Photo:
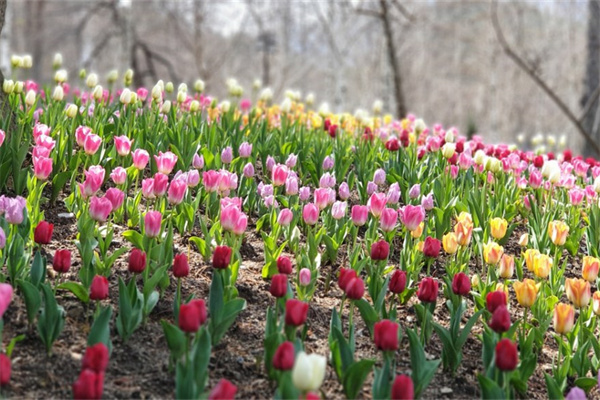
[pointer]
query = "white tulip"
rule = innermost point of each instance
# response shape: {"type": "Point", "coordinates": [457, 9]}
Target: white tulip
{"type": "Point", "coordinates": [309, 371]}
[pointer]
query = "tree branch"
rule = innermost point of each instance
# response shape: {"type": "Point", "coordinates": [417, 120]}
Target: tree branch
{"type": "Point", "coordinates": [588, 106]}
{"type": "Point", "coordinates": [410, 17]}
{"type": "Point", "coordinates": [529, 70]}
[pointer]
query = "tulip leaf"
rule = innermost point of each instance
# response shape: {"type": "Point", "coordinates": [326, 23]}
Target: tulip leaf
{"type": "Point", "coordinates": [216, 296]}
{"type": "Point", "coordinates": [175, 339]}
{"type": "Point", "coordinates": [381, 382]}
{"type": "Point", "coordinates": [219, 326]}
{"type": "Point", "coordinates": [201, 356]}
{"type": "Point", "coordinates": [135, 238]}
{"type": "Point", "coordinates": [355, 376]}
{"type": "Point", "coordinates": [100, 330]}
{"type": "Point", "coordinates": [489, 389]}
{"type": "Point", "coordinates": [77, 289]}
{"type": "Point", "coordinates": [345, 351]}
{"type": "Point", "coordinates": [51, 320]}
{"type": "Point", "coordinates": [554, 391]}
{"type": "Point", "coordinates": [38, 269]}
{"type": "Point", "coordinates": [586, 383]}
{"type": "Point", "coordinates": [423, 370]}
{"type": "Point", "coordinates": [368, 314]}
{"type": "Point", "coordinates": [33, 299]}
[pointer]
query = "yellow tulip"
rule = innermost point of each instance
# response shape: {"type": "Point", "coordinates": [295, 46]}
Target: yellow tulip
{"type": "Point", "coordinates": [498, 227]}
{"type": "Point", "coordinates": [542, 264]}
{"type": "Point", "coordinates": [558, 231]}
{"type": "Point", "coordinates": [526, 291]}
{"type": "Point", "coordinates": [591, 265]}
{"type": "Point", "coordinates": [529, 257]}
{"type": "Point", "coordinates": [450, 243]}
{"type": "Point", "coordinates": [564, 318]}
{"type": "Point", "coordinates": [578, 292]}
{"type": "Point", "coordinates": [463, 231]}
{"type": "Point", "coordinates": [492, 252]}
{"type": "Point", "coordinates": [418, 232]}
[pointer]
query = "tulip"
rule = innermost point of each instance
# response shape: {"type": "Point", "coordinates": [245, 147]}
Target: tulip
{"type": "Point", "coordinates": [345, 276]}
{"type": "Point", "coordinates": [428, 290]}
{"type": "Point", "coordinates": [42, 167]}
{"type": "Point", "coordinates": [595, 303]}
{"type": "Point", "coordinates": [189, 318]}
{"type": "Point", "coordinates": [181, 267]}
{"type": "Point", "coordinates": [417, 233]}
{"type": "Point", "coordinates": [99, 288]}
{"type": "Point", "coordinates": [542, 264]}
{"type": "Point", "coordinates": [380, 250]}
{"type": "Point", "coordinates": [283, 359]}
{"type": "Point", "coordinates": [309, 371]}
{"type": "Point", "coordinates": [285, 217]}
{"type": "Point", "coordinates": [5, 369]}
{"type": "Point", "coordinates": [227, 155]}
{"type": "Point", "coordinates": [328, 163]}
{"type": "Point", "coordinates": [95, 358]}
{"type": "Point", "coordinates": [578, 292]}
{"type": "Point", "coordinates": [526, 292]}
{"type": "Point", "coordinates": [248, 170]}
{"type": "Point", "coordinates": [245, 150]}
{"type": "Point", "coordinates": [279, 174]}
{"type": "Point", "coordinates": [393, 194]}
{"type": "Point", "coordinates": [500, 321]}
{"type": "Point", "coordinates": [310, 214]}
{"type": "Point", "coordinates": [304, 277]}
{"type": "Point", "coordinates": [92, 143]}
{"type": "Point", "coordinates": [304, 193]}
{"type": "Point", "coordinates": [224, 390]}
{"type": "Point", "coordinates": [6, 292]}
{"type": "Point", "coordinates": [359, 215]}
{"type": "Point", "coordinates": [506, 266]}
{"type": "Point", "coordinates": [284, 265]}
{"type": "Point", "coordinates": [221, 257]}
{"type": "Point", "coordinates": [403, 388]}
{"type": "Point", "coordinates": [321, 198]}
{"type": "Point", "coordinates": [338, 210]}
{"type": "Point", "coordinates": [412, 216]}
{"type": "Point", "coordinates": [165, 162]}
{"type": "Point", "coordinates": [198, 161]}
{"type": "Point", "coordinates": [498, 228]}
{"type": "Point", "coordinates": [123, 145]}
{"type": "Point", "coordinates": [450, 243]}
{"type": "Point", "coordinates": [576, 394]}
{"type": "Point", "coordinates": [355, 289]}
{"type": "Point", "coordinates": [161, 182]}
{"type": "Point", "coordinates": [463, 231]}
{"type": "Point", "coordinates": [397, 282]}
{"type": "Point", "coordinates": [524, 240]}
{"type": "Point", "coordinates": [119, 175]}
{"type": "Point", "coordinates": [140, 158]}
{"type": "Point", "coordinates": [137, 261]}
{"type": "Point", "coordinates": [152, 223]}
{"type": "Point", "coordinates": [344, 191]}
{"type": "Point", "coordinates": [43, 233]}
{"type": "Point", "coordinates": [591, 265]}
{"type": "Point", "coordinates": [563, 319]}
{"type": "Point", "coordinates": [507, 356]}
{"type": "Point", "coordinates": [386, 335]}
{"type": "Point", "coordinates": [431, 247]}
{"type": "Point", "coordinates": [62, 261]}
{"type": "Point", "coordinates": [495, 299]}
{"type": "Point", "coordinates": [177, 190]}
{"type": "Point", "coordinates": [461, 284]}
{"type": "Point", "coordinates": [278, 285]}
{"type": "Point", "coordinates": [388, 220]}
{"type": "Point", "coordinates": [372, 188]}
{"type": "Point", "coordinates": [376, 204]}
{"type": "Point", "coordinates": [529, 258]}
{"type": "Point", "coordinates": [558, 231]}
{"type": "Point", "coordinates": [116, 198]}
{"type": "Point", "coordinates": [89, 385]}
{"type": "Point", "coordinates": [2, 238]}
{"type": "Point", "coordinates": [295, 312]}
{"type": "Point", "coordinates": [492, 253]}
{"type": "Point", "coordinates": [100, 208]}
{"type": "Point", "coordinates": [379, 176]}
{"type": "Point", "coordinates": [415, 191]}
{"type": "Point", "coordinates": [13, 210]}
{"type": "Point", "coordinates": [148, 188]}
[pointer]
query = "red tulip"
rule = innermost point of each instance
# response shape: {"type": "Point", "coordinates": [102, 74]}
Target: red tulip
{"type": "Point", "coordinates": [428, 290]}
{"type": "Point", "coordinates": [189, 318]}
{"type": "Point", "coordinates": [355, 289]}
{"type": "Point", "coordinates": [403, 388]}
{"type": "Point", "coordinates": [507, 356]}
{"type": "Point", "coordinates": [431, 247]}
{"type": "Point", "coordinates": [397, 282]}
{"type": "Point", "coordinates": [137, 261]}
{"type": "Point", "coordinates": [500, 321]}
{"type": "Point", "coordinates": [96, 358]}
{"type": "Point", "coordinates": [43, 233]}
{"type": "Point", "coordinates": [62, 260]}
{"type": "Point", "coordinates": [284, 265]}
{"type": "Point", "coordinates": [224, 390]}
{"type": "Point", "coordinates": [295, 312]}
{"type": "Point", "coordinates": [89, 385]}
{"type": "Point", "coordinates": [99, 288]}
{"type": "Point", "coordinates": [495, 299]}
{"type": "Point", "coordinates": [380, 250]}
{"type": "Point", "coordinates": [279, 285]}
{"type": "Point", "coordinates": [181, 267]}
{"type": "Point", "coordinates": [221, 257]}
{"type": "Point", "coordinates": [283, 360]}
{"type": "Point", "coordinates": [386, 335]}
{"type": "Point", "coordinates": [461, 284]}
{"type": "Point", "coordinates": [201, 307]}
{"type": "Point", "coordinates": [4, 369]}
{"type": "Point", "coordinates": [346, 275]}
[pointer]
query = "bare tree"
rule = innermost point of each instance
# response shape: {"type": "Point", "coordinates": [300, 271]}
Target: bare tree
{"type": "Point", "coordinates": [592, 74]}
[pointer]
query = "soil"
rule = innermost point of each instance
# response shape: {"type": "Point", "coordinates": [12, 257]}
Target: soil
{"type": "Point", "coordinates": [139, 368]}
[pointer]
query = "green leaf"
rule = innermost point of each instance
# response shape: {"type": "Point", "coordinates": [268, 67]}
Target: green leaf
{"type": "Point", "coordinates": [175, 339]}
{"type": "Point", "coordinates": [38, 269]}
{"type": "Point", "coordinates": [554, 391]}
{"type": "Point", "coordinates": [77, 289]}
{"type": "Point", "coordinates": [381, 382]}
{"type": "Point", "coordinates": [355, 376]}
{"type": "Point", "coordinates": [423, 370]}
{"type": "Point", "coordinates": [100, 330]}
{"type": "Point", "coordinates": [201, 357]}
{"type": "Point", "coordinates": [33, 299]}
{"type": "Point", "coordinates": [345, 352]}
{"type": "Point", "coordinates": [368, 314]}
{"type": "Point", "coordinates": [586, 383]}
{"type": "Point", "coordinates": [489, 388]}
{"type": "Point", "coordinates": [230, 311]}
{"type": "Point", "coordinates": [135, 238]}
{"type": "Point", "coordinates": [215, 297]}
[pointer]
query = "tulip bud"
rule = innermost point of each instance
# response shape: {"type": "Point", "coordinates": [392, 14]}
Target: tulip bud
{"type": "Point", "coordinates": [181, 267]}
{"type": "Point", "coordinates": [128, 77]}
{"type": "Point", "coordinates": [99, 288]}
{"type": "Point", "coordinates": [27, 61]}
{"type": "Point", "coordinates": [58, 60]}
{"type": "Point", "coordinates": [71, 111]}
{"type": "Point", "coordinates": [62, 260]}
{"type": "Point", "coordinates": [386, 335]}
{"type": "Point", "coordinates": [194, 106]}
{"type": "Point", "coordinates": [224, 390]}
{"type": "Point", "coordinates": [355, 289]}
{"type": "Point", "coordinates": [8, 86]}
{"type": "Point", "coordinates": [461, 285]}
{"type": "Point", "coordinates": [295, 312]}
{"type": "Point", "coordinates": [16, 61]}
{"type": "Point", "coordinates": [166, 107]}
{"type": "Point", "coordinates": [496, 299]}
{"type": "Point", "coordinates": [221, 257]}
{"type": "Point", "coordinates": [60, 76]}
{"type": "Point", "coordinates": [403, 388]}
{"type": "Point", "coordinates": [507, 355]}
{"type": "Point", "coordinates": [500, 321]}
{"type": "Point", "coordinates": [428, 290]}
{"type": "Point", "coordinates": [137, 261]}
{"type": "Point", "coordinates": [309, 371]}
{"type": "Point", "coordinates": [278, 285]}
{"type": "Point", "coordinates": [283, 359]}
{"type": "Point", "coordinates": [30, 98]}
{"type": "Point", "coordinates": [380, 250]}
{"type": "Point", "coordinates": [58, 93]}
{"type": "Point", "coordinates": [18, 87]}
{"type": "Point", "coordinates": [397, 282]}
{"type": "Point", "coordinates": [92, 80]}
{"type": "Point", "coordinates": [43, 233]}
{"type": "Point", "coordinates": [112, 76]}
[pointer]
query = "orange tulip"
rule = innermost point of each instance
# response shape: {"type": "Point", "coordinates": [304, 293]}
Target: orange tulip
{"type": "Point", "coordinates": [542, 264]}
{"type": "Point", "coordinates": [420, 245]}
{"type": "Point", "coordinates": [418, 232]}
{"type": "Point", "coordinates": [591, 265]}
{"type": "Point", "coordinates": [578, 292]}
{"type": "Point", "coordinates": [529, 256]}
{"type": "Point", "coordinates": [492, 252]}
{"type": "Point", "coordinates": [498, 227]}
{"type": "Point", "coordinates": [564, 318]}
{"type": "Point", "coordinates": [558, 231]}
{"type": "Point", "coordinates": [526, 291]}
{"type": "Point", "coordinates": [507, 266]}
{"type": "Point", "coordinates": [596, 302]}
{"type": "Point", "coordinates": [450, 243]}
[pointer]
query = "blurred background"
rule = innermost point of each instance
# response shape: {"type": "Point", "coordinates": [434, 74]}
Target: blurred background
{"type": "Point", "coordinates": [440, 60]}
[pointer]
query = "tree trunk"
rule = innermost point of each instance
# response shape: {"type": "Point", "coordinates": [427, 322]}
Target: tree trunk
{"type": "Point", "coordinates": [391, 49]}
{"type": "Point", "coordinates": [5, 110]}
{"type": "Point", "coordinates": [592, 73]}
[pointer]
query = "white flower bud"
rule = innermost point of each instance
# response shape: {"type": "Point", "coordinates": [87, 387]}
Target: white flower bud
{"type": "Point", "coordinates": [71, 111]}
{"type": "Point", "coordinates": [125, 96]}
{"type": "Point", "coordinates": [166, 107]}
{"type": "Point", "coordinates": [57, 62]}
{"type": "Point", "coordinates": [30, 98]}
{"type": "Point", "coordinates": [169, 87]}
{"type": "Point", "coordinates": [377, 107]}
{"type": "Point", "coordinates": [19, 87]}
{"type": "Point", "coordinates": [27, 61]}
{"type": "Point", "coordinates": [58, 93]}
{"type": "Point", "coordinates": [91, 81]}
{"type": "Point", "coordinates": [112, 76]}
{"type": "Point", "coordinates": [61, 76]}
{"type": "Point", "coordinates": [225, 106]}
{"type": "Point", "coordinates": [98, 93]}
{"type": "Point", "coordinates": [8, 86]}
{"type": "Point", "coordinates": [309, 371]}
{"type": "Point", "coordinates": [199, 86]}
{"type": "Point", "coordinates": [266, 94]}
{"type": "Point", "coordinates": [194, 106]}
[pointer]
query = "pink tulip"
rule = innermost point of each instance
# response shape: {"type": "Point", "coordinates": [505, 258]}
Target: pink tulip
{"type": "Point", "coordinates": [210, 180]}
{"type": "Point", "coordinates": [148, 188]}
{"type": "Point", "coordinates": [13, 209]}
{"type": "Point", "coordinates": [338, 211]}
{"type": "Point", "coordinates": [248, 170]}
{"type": "Point", "coordinates": [119, 176]}
{"type": "Point", "coordinates": [371, 187]}
{"type": "Point", "coordinates": [198, 161]}
{"type": "Point", "coordinates": [415, 191]}
{"type": "Point", "coordinates": [279, 174]}
{"type": "Point", "coordinates": [328, 163]}
{"type": "Point", "coordinates": [193, 178]}
{"type": "Point", "coordinates": [576, 195]}
{"type": "Point", "coordinates": [123, 145]}
{"type": "Point", "coordinates": [291, 161]}
{"type": "Point", "coordinates": [270, 163]}
{"type": "Point", "coordinates": [40, 151]}
{"type": "Point", "coordinates": [304, 193]}
{"type": "Point", "coordinates": [161, 181]}
{"type": "Point", "coordinates": [327, 180]}
{"type": "Point", "coordinates": [140, 158]}
{"type": "Point", "coordinates": [379, 176]}
{"type": "Point", "coordinates": [229, 217]}
{"type": "Point", "coordinates": [245, 150]}
{"type": "Point", "coordinates": [227, 155]}
{"type": "Point", "coordinates": [100, 208]}
{"type": "Point", "coordinates": [42, 167]}
{"type": "Point", "coordinates": [81, 133]}
{"type": "Point", "coordinates": [40, 129]}
{"type": "Point", "coordinates": [92, 144]}
{"type": "Point", "coordinates": [45, 141]}
{"type": "Point", "coordinates": [310, 214]}
{"type": "Point", "coordinates": [6, 292]}
{"type": "Point", "coordinates": [304, 277]}
{"type": "Point", "coordinates": [388, 220]}
{"type": "Point", "coordinates": [142, 93]}
{"type": "Point", "coordinates": [94, 177]}
{"type": "Point", "coordinates": [165, 162]}
{"type": "Point", "coordinates": [285, 217]}
{"type": "Point", "coordinates": [270, 201]}
{"type": "Point", "coordinates": [393, 194]}
{"type": "Point", "coordinates": [535, 179]}
{"type": "Point", "coordinates": [2, 136]}
{"type": "Point", "coordinates": [581, 168]}
{"type": "Point", "coordinates": [152, 222]}
{"type": "Point", "coordinates": [427, 202]}
{"type": "Point", "coordinates": [376, 204]}
{"type": "Point", "coordinates": [465, 161]}
{"type": "Point", "coordinates": [411, 216]}
{"type": "Point", "coordinates": [344, 191]}
{"type": "Point", "coordinates": [241, 224]}
{"type": "Point", "coordinates": [359, 215]}
{"type": "Point", "coordinates": [116, 198]}
{"type": "Point", "coordinates": [322, 197]}
{"type": "Point", "coordinates": [177, 190]}
{"type": "Point", "coordinates": [2, 238]}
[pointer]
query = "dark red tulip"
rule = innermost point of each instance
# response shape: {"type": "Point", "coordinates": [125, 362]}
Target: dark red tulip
{"type": "Point", "coordinates": [461, 284]}
{"type": "Point", "coordinates": [346, 275]}
{"type": "Point", "coordinates": [295, 312]}
{"type": "Point", "coordinates": [283, 360]}
{"type": "Point", "coordinates": [189, 318]}
{"type": "Point", "coordinates": [201, 307]}
{"type": "Point", "coordinates": [89, 385]}
{"type": "Point", "coordinates": [500, 321]}
{"type": "Point", "coordinates": [355, 289]}
{"type": "Point", "coordinates": [278, 285]}
{"type": "Point", "coordinates": [43, 233]}
{"type": "Point", "coordinates": [495, 299]}
{"type": "Point", "coordinates": [284, 265]}
{"type": "Point", "coordinates": [428, 290]}
{"type": "Point", "coordinates": [397, 282]}
{"type": "Point", "coordinates": [62, 260]}
{"type": "Point", "coordinates": [380, 250]}
{"type": "Point", "coordinates": [386, 335]}
{"type": "Point", "coordinates": [99, 288]}
{"type": "Point", "coordinates": [221, 257]}
{"type": "Point", "coordinates": [507, 356]}
{"type": "Point", "coordinates": [137, 261]}
{"type": "Point", "coordinates": [4, 369]}
{"type": "Point", "coordinates": [181, 267]}
{"type": "Point", "coordinates": [431, 247]}
{"type": "Point", "coordinates": [403, 388]}
{"type": "Point", "coordinates": [224, 390]}
{"type": "Point", "coordinates": [96, 358]}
